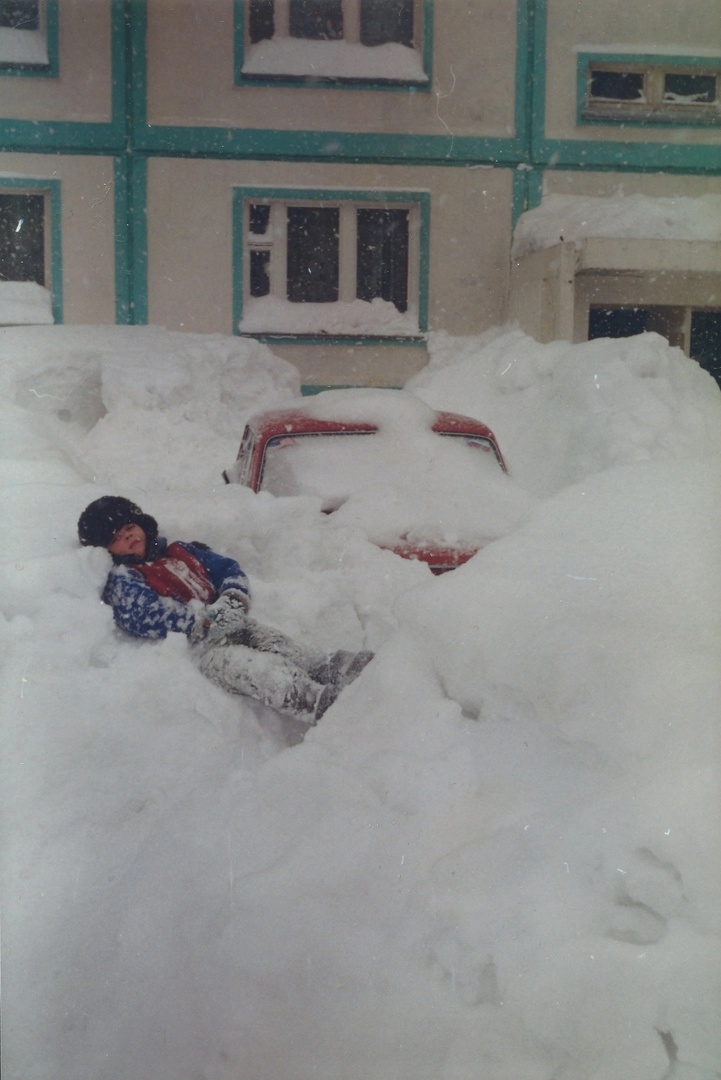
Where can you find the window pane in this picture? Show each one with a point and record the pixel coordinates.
(386, 20)
(258, 218)
(321, 20)
(689, 89)
(259, 273)
(313, 254)
(22, 245)
(617, 85)
(382, 262)
(20, 14)
(616, 322)
(261, 24)
(705, 343)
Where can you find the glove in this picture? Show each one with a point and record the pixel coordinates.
(219, 618)
(231, 600)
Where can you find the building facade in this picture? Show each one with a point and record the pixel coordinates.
(340, 177)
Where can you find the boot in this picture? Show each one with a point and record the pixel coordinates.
(341, 667)
(327, 696)
(306, 703)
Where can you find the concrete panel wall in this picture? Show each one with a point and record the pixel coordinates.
(83, 89)
(655, 184)
(87, 227)
(665, 27)
(472, 91)
(190, 257)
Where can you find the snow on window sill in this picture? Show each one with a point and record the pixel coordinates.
(359, 317)
(24, 303)
(23, 47)
(297, 58)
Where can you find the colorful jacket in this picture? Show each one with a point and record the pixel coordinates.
(152, 598)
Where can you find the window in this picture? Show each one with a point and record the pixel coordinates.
(336, 41)
(22, 237)
(29, 37)
(338, 263)
(649, 89)
(695, 330)
(705, 341)
(20, 14)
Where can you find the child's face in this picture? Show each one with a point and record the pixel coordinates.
(128, 540)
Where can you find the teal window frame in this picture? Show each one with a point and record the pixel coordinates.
(53, 217)
(420, 199)
(331, 82)
(51, 27)
(590, 111)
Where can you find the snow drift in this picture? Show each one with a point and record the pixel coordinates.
(494, 857)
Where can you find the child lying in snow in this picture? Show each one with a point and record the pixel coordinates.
(155, 587)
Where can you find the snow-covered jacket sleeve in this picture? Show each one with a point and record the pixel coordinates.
(223, 572)
(139, 610)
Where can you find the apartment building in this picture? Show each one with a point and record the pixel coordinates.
(341, 177)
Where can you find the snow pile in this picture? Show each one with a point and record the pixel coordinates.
(562, 412)
(574, 218)
(24, 303)
(403, 481)
(122, 402)
(495, 856)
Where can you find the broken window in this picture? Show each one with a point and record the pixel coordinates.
(647, 90)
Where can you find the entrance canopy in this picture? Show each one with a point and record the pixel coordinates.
(588, 267)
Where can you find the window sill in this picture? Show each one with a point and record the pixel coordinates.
(331, 62)
(681, 116)
(355, 340)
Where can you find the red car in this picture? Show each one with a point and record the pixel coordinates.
(386, 454)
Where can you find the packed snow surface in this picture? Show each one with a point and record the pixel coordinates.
(495, 858)
(640, 217)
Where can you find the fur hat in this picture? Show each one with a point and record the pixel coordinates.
(100, 521)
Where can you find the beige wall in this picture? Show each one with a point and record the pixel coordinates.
(190, 250)
(688, 28)
(658, 185)
(83, 90)
(472, 89)
(88, 228)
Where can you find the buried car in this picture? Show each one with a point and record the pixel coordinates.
(427, 485)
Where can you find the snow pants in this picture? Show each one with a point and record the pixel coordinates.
(259, 661)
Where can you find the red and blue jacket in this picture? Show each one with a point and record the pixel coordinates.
(153, 598)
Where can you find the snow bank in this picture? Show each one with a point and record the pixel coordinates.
(494, 857)
(562, 412)
(575, 217)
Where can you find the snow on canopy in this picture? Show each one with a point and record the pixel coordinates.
(574, 218)
(496, 854)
